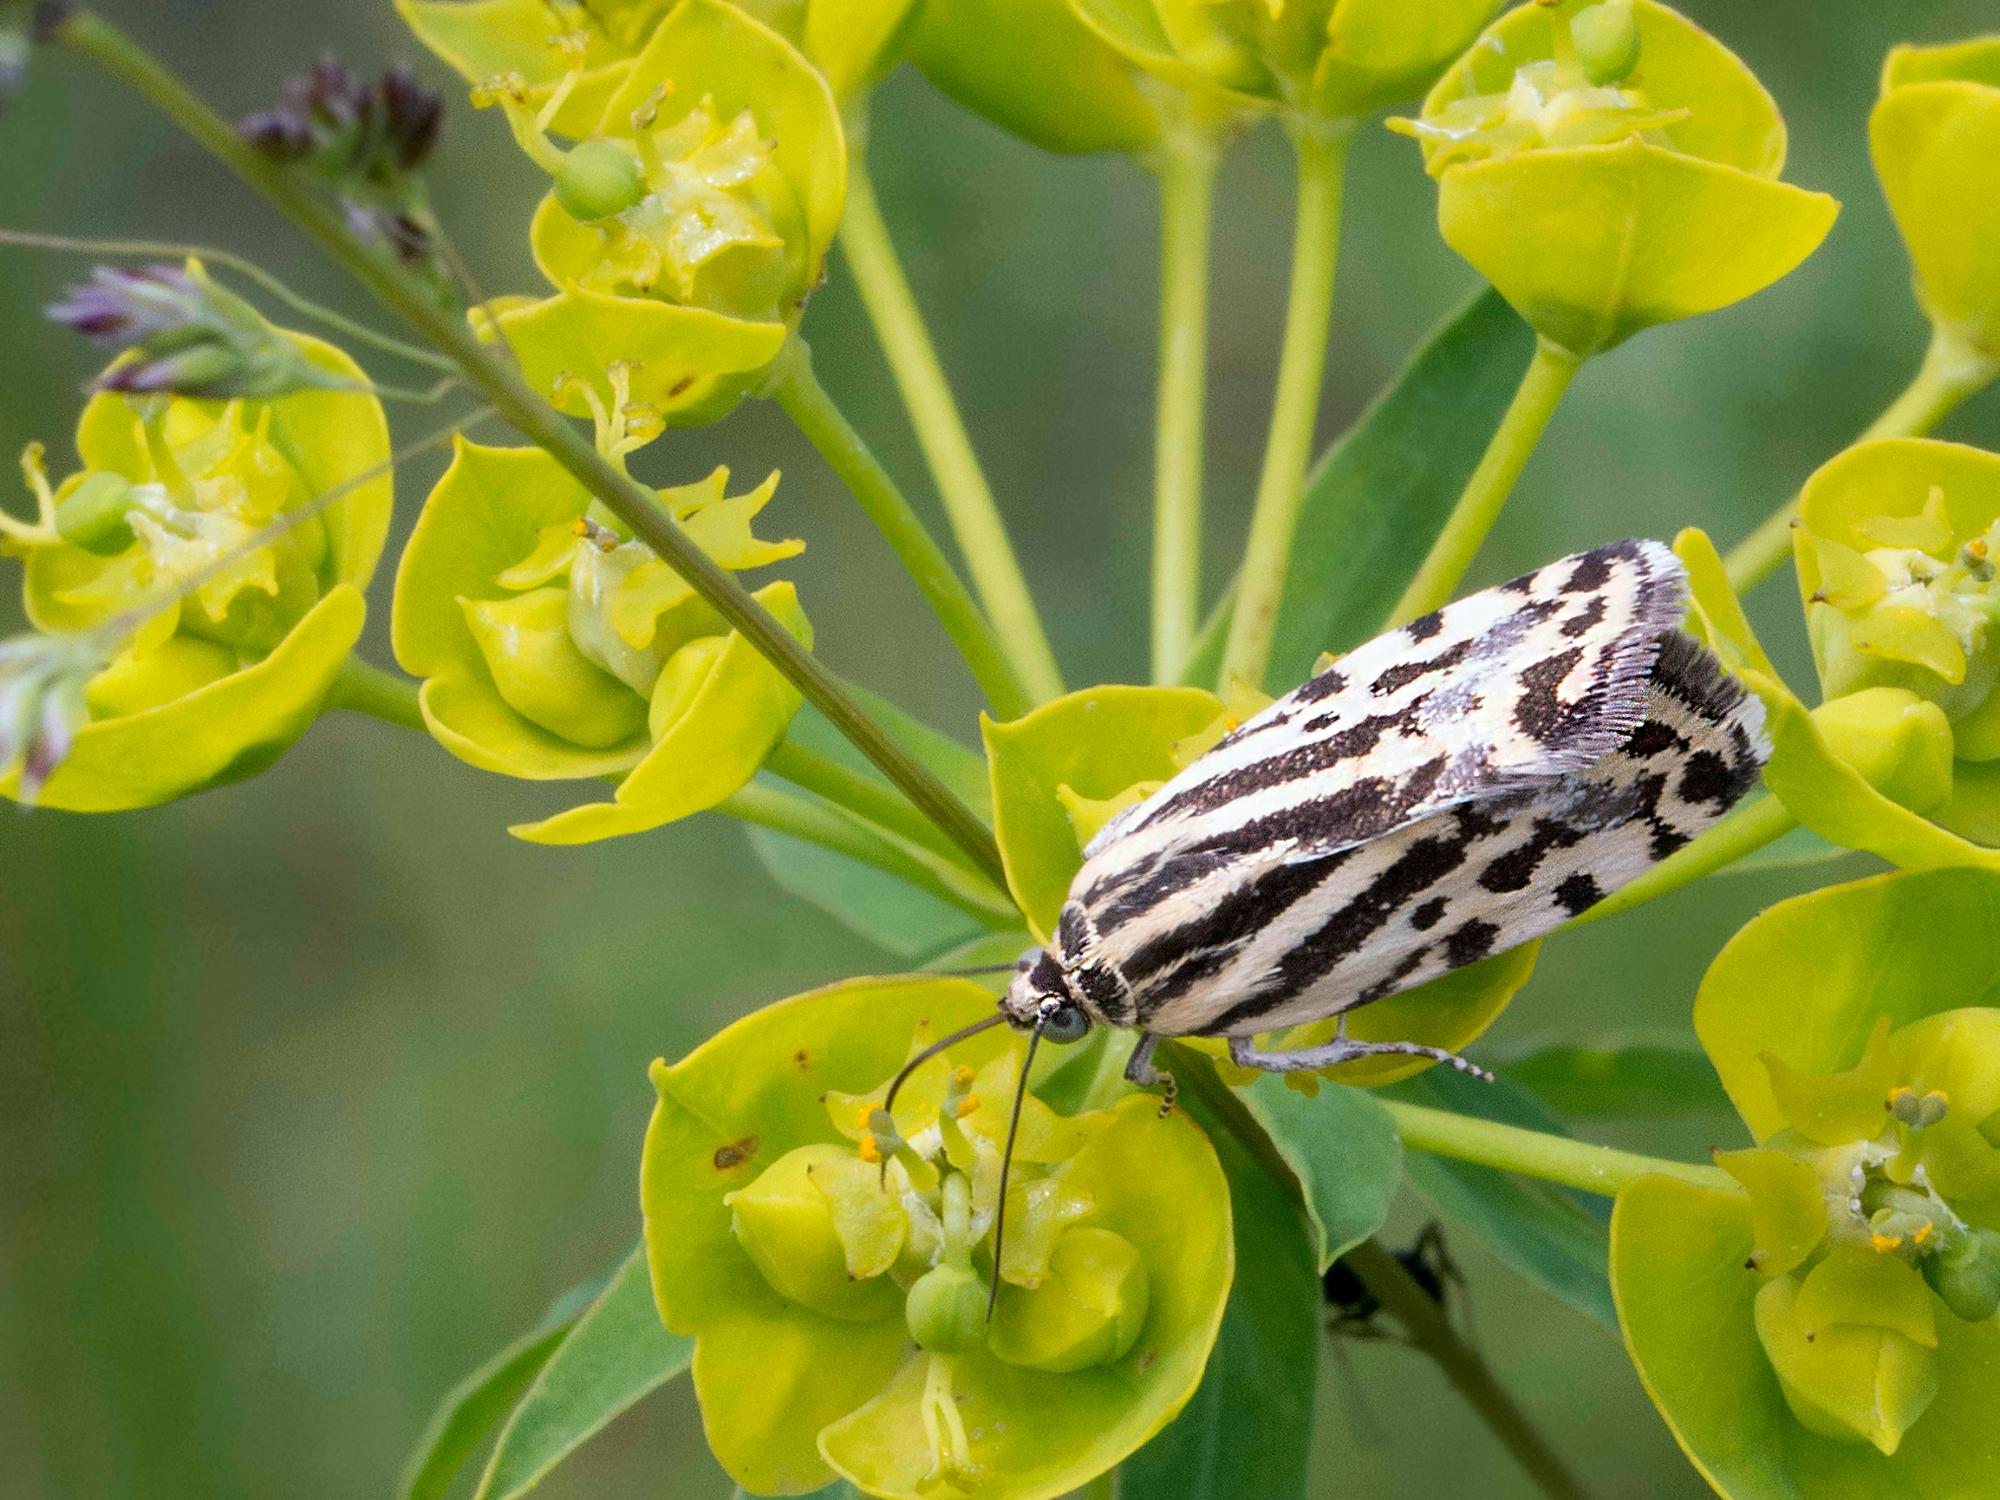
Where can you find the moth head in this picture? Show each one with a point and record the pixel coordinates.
(1040, 1000)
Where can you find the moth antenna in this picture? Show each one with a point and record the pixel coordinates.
(889, 1100)
(1006, 1164)
(976, 972)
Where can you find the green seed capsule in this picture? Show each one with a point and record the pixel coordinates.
(599, 179)
(1966, 1275)
(1607, 41)
(93, 515)
(946, 1310)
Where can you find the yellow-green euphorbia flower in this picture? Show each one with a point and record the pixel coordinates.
(687, 227)
(1326, 60)
(1830, 1330)
(212, 686)
(549, 42)
(1872, 769)
(1934, 134)
(833, 1261)
(552, 646)
(1611, 167)
(1062, 772)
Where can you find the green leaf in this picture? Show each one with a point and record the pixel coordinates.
(898, 918)
(1247, 1431)
(618, 1352)
(1379, 496)
(1552, 1236)
(1342, 1147)
(1620, 1079)
(478, 1403)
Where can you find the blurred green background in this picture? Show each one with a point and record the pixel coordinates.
(316, 1090)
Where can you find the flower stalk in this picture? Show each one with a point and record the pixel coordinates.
(796, 389)
(1321, 147)
(1541, 390)
(1952, 371)
(1185, 164)
(1531, 1153)
(967, 498)
(415, 300)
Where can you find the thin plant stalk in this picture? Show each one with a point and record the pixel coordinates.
(797, 390)
(1951, 371)
(1532, 1153)
(817, 821)
(864, 797)
(1430, 1331)
(1185, 165)
(969, 506)
(363, 688)
(1274, 518)
(1548, 375)
(89, 36)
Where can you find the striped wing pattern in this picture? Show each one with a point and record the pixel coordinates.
(1447, 791)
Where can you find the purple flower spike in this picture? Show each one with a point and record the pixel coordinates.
(119, 306)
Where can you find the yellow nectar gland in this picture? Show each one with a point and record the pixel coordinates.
(1885, 1244)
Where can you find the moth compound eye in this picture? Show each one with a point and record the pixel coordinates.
(1066, 1023)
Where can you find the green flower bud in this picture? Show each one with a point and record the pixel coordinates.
(1088, 1310)
(785, 1225)
(1965, 1274)
(1606, 40)
(542, 676)
(93, 514)
(597, 180)
(946, 1309)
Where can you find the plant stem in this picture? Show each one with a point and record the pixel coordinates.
(445, 329)
(1322, 154)
(968, 501)
(249, 270)
(1746, 829)
(794, 387)
(819, 822)
(1553, 1158)
(1548, 376)
(362, 688)
(863, 797)
(1185, 165)
(1952, 370)
(1431, 1332)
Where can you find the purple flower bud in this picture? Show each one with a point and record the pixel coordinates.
(413, 114)
(278, 133)
(330, 93)
(119, 306)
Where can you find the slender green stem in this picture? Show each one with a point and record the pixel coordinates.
(444, 328)
(1746, 829)
(1553, 1158)
(362, 688)
(794, 387)
(1185, 165)
(864, 798)
(1548, 376)
(968, 501)
(249, 270)
(1322, 157)
(1431, 1332)
(819, 822)
(1952, 370)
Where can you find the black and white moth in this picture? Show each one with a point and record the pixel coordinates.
(1447, 791)
(1450, 790)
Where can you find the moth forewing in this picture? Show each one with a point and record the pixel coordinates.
(1449, 790)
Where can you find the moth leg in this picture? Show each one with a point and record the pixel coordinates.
(1244, 1052)
(1139, 1069)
